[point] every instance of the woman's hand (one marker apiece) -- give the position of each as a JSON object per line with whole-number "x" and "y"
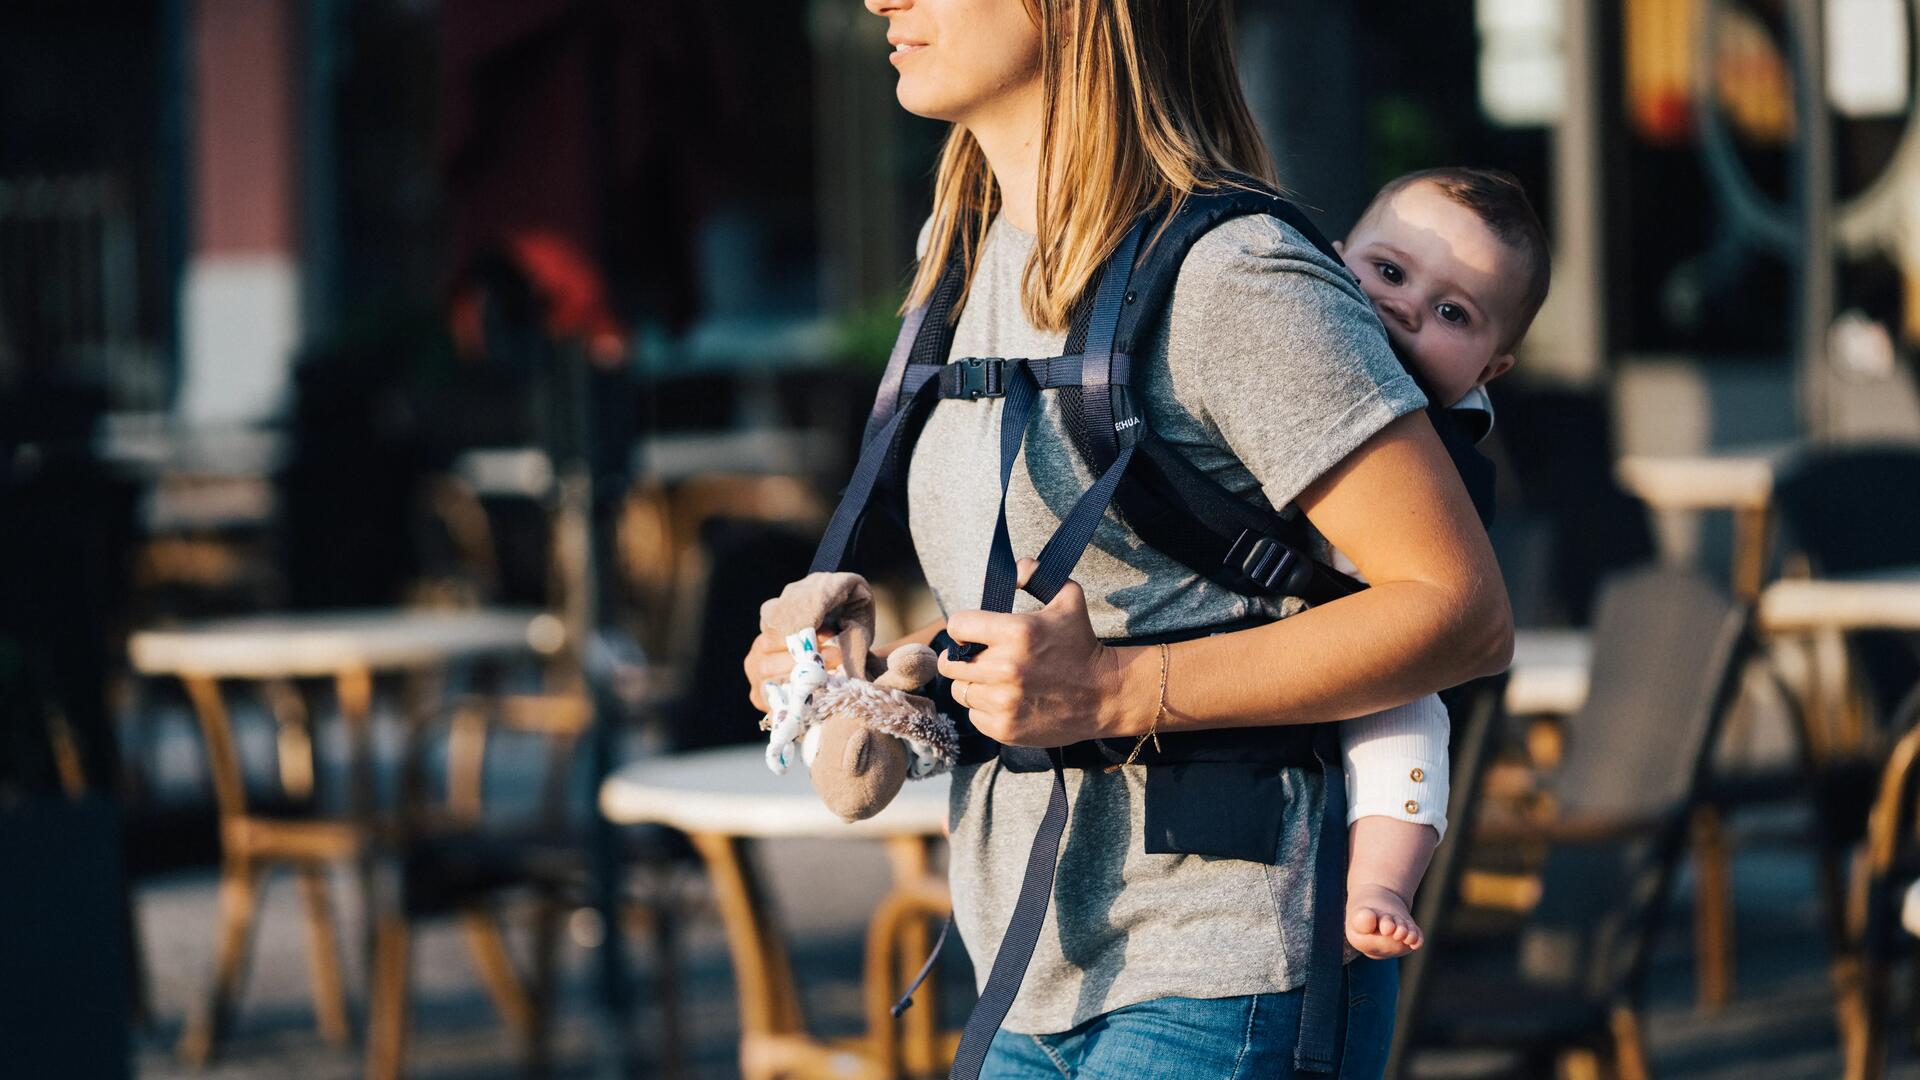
{"x": 769, "y": 661}
{"x": 1044, "y": 679}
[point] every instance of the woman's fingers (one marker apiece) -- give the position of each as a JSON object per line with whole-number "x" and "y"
{"x": 769, "y": 661}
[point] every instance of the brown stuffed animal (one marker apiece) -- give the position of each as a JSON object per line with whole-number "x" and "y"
{"x": 861, "y": 739}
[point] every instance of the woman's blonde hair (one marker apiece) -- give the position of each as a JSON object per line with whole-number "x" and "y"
{"x": 1142, "y": 103}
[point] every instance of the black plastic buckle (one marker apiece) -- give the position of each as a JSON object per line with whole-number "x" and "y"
{"x": 1265, "y": 561}
{"x": 979, "y": 377}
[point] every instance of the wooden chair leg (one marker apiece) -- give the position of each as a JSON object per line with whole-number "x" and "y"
{"x": 1713, "y": 909}
{"x": 1579, "y": 1063}
{"x": 1867, "y": 1052}
{"x": 495, "y": 965}
{"x": 387, "y": 1022}
{"x": 1629, "y": 1044}
{"x": 239, "y": 897}
{"x": 323, "y": 957}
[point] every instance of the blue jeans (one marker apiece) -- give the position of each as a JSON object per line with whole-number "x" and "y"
{"x": 1206, "y": 1038}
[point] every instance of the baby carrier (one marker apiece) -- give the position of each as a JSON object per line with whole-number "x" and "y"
{"x": 1218, "y": 793}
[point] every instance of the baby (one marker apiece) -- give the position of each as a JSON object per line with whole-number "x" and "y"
{"x": 1455, "y": 262}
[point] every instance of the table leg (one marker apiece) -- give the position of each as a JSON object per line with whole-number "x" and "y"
{"x": 769, "y": 1004}
{"x": 911, "y": 857}
{"x": 1751, "y": 526}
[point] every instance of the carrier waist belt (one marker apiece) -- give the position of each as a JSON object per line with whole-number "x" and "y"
{"x": 1290, "y": 745}
{"x": 1216, "y": 793}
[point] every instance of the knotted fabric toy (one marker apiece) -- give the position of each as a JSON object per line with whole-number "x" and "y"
{"x": 861, "y": 738}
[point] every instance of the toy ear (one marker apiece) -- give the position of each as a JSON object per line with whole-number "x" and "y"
{"x": 857, "y": 770}
{"x": 909, "y": 667}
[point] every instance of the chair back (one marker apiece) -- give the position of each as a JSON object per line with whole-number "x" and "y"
{"x": 1852, "y": 509}
{"x": 1855, "y": 509}
{"x": 1668, "y": 647}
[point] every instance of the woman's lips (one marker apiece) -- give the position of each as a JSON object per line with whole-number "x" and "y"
{"x": 905, "y": 48}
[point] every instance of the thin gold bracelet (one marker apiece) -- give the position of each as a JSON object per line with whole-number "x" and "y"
{"x": 1153, "y": 726}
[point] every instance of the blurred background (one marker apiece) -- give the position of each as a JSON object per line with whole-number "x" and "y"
{"x": 405, "y": 406}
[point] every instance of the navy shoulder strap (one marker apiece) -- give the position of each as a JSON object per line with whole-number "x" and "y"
{"x": 1173, "y": 506}
{"x": 1476, "y": 470}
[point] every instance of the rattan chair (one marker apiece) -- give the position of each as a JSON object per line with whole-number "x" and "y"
{"x": 1668, "y": 649}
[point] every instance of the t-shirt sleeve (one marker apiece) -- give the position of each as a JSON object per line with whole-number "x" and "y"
{"x": 1281, "y": 353}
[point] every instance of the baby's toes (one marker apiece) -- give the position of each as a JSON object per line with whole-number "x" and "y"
{"x": 1362, "y": 920}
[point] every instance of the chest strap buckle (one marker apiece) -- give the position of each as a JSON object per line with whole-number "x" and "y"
{"x": 975, "y": 377}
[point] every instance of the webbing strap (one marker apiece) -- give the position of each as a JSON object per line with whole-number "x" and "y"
{"x": 1062, "y": 553}
{"x": 1315, "y": 1050}
{"x": 1057, "y": 560}
{"x": 974, "y": 377}
{"x": 886, "y": 399}
{"x": 853, "y": 502}
{"x": 997, "y": 593}
{"x": 1023, "y": 933}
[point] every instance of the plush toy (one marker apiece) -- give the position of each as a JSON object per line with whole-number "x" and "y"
{"x": 861, "y": 732}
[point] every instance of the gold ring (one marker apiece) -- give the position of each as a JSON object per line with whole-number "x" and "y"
{"x": 962, "y": 697}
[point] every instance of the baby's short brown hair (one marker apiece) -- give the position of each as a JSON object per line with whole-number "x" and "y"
{"x": 1497, "y": 198}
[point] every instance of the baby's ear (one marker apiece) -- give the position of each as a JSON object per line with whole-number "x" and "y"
{"x": 1340, "y": 249}
{"x": 1495, "y": 368}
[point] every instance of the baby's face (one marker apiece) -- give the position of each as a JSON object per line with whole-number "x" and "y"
{"x": 1444, "y": 284}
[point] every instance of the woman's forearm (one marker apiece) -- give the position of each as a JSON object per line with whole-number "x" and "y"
{"x": 1382, "y": 647}
{"x": 922, "y": 636}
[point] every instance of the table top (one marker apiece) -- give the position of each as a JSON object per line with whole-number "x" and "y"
{"x": 1884, "y": 600}
{"x": 1549, "y": 674}
{"x": 1739, "y": 479}
{"x": 730, "y": 791}
{"x": 326, "y": 643}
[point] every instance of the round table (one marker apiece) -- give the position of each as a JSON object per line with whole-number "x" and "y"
{"x": 324, "y": 644}
{"x": 349, "y": 648}
{"x": 1883, "y": 600}
{"x": 725, "y": 799}
{"x": 1740, "y": 481}
{"x": 1549, "y": 674}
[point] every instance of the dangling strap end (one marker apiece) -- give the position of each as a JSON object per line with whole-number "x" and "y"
{"x": 906, "y": 999}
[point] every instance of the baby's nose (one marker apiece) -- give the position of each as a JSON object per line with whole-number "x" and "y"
{"x": 1394, "y": 311}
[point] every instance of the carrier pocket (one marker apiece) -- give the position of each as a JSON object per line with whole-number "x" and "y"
{"x": 1231, "y": 809}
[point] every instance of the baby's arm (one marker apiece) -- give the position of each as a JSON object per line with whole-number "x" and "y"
{"x": 1396, "y": 771}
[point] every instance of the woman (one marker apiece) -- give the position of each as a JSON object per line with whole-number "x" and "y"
{"x": 1070, "y": 118}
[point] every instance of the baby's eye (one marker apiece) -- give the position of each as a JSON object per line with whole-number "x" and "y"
{"x": 1453, "y": 313}
{"x": 1390, "y": 273}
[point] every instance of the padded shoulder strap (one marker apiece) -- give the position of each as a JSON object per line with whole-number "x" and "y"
{"x": 1199, "y": 214}
{"x": 1174, "y": 507}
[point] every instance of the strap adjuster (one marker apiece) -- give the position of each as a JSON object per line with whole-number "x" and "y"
{"x": 1264, "y": 560}
{"x": 979, "y": 377}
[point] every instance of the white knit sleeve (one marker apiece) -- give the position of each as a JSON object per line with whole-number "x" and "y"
{"x": 1396, "y": 764}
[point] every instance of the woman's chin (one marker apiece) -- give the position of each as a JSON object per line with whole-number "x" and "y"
{"x": 919, "y": 101}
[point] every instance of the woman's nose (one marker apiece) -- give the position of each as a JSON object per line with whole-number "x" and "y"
{"x": 888, "y": 7}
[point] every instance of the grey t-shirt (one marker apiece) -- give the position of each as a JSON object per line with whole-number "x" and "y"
{"x": 1270, "y": 368}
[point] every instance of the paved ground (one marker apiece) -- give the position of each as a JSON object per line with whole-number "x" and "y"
{"x": 1780, "y": 1028}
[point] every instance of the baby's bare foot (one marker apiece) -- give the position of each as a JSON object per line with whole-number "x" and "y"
{"x": 1378, "y": 924}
